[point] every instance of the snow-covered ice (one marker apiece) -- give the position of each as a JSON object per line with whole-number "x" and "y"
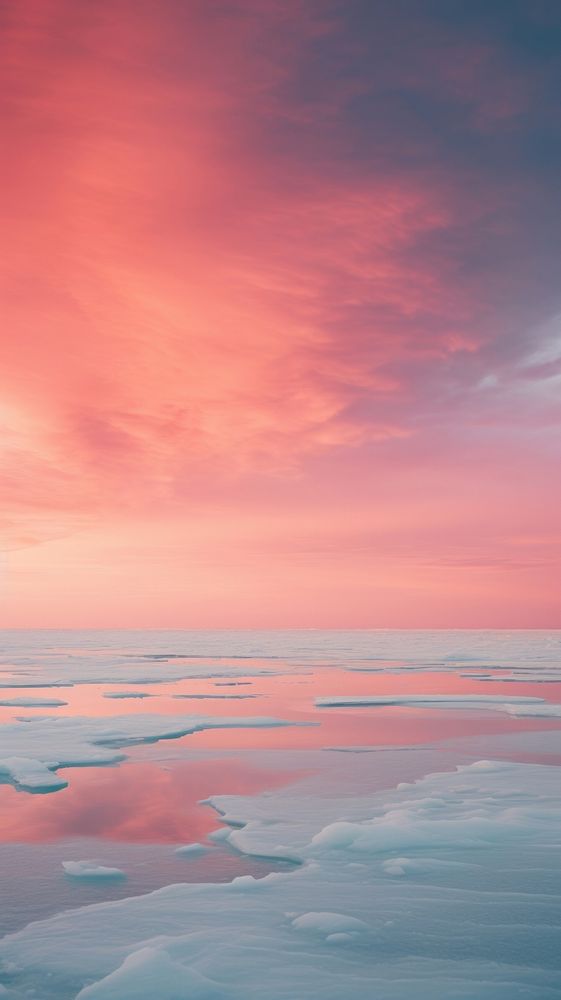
{"x": 91, "y": 870}
{"x": 30, "y": 774}
{"x": 191, "y": 850}
{"x": 327, "y": 924}
{"x": 151, "y": 973}
{"x": 31, "y": 750}
{"x": 144, "y": 657}
{"x": 535, "y": 676}
{"x": 513, "y": 706}
{"x": 226, "y": 684}
{"x": 545, "y": 710}
{"x": 444, "y": 888}
{"x": 31, "y": 702}
{"x": 127, "y": 694}
{"x": 108, "y": 670}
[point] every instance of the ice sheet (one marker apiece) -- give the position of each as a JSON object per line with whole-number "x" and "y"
{"x": 448, "y": 887}
{"x": 59, "y": 658}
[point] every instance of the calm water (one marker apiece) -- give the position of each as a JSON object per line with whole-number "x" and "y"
{"x": 133, "y": 815}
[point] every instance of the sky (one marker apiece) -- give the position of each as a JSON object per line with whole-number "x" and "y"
{"x": 280, "y": 342}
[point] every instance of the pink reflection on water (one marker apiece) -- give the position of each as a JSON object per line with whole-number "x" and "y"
{"x": 133, "y": 802}
{"x": 291, "y": 696}
{"x": 394, "y": 726}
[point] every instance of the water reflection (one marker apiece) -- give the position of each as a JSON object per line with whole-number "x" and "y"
{"x": 134, "y": 802}
{"x": 130, "y": 816}
{"x": 290, "y": 695}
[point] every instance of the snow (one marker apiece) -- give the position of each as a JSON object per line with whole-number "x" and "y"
{"x": 30, "y": 775}
{"x": 547, "y": 710}
{"x": 191, "y": 850}
{"x": 534, "y": 676}
{"x": 329, "y": 923}
{"x": 470, "y": 910}
{"x": 150, "y": 973}
{"x": 82, "y": 671}
{"x": 91, "y": 870}
{"x": 219, "y": 835}
{"x": 419, "y": 866}
{"x": 32, "y": 749}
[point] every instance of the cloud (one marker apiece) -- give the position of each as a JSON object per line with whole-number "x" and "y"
{"x": 259, "y": 252}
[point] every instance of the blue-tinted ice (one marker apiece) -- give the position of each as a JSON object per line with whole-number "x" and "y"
{"x": 433, "y": 873}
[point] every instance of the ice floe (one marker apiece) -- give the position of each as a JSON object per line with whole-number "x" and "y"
{"x": 91, "y": 870}
{"x": 546, "y": 710}
{"x": 32, "y": 702}
{"x": 191, "y": 850}
{"x": 225, "y": 684}
{"x": 80, "y": 670}
{"x": 513, "y": 706}
{"x": 33, "y": 658}
{"x": 516, "y": 677}
{"x": 127, "y": 694}
{"x": 31, "y": 750}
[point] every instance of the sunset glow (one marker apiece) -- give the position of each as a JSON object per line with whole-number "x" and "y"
{"x": 280, "y": 339}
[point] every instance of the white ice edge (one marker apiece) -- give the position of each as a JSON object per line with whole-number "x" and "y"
{"x": 32, "y": 750}
{"x": 519, "y": 705}
{"x": 127, "y": 694}
{"x": 31, "y": 702}
{"x": 91, "y": 871}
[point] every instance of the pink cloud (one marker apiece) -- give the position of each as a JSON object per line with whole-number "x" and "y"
{"x": 196, "y": 318}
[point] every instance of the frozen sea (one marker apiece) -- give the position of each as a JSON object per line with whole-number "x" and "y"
{"x": 236, "y": 815}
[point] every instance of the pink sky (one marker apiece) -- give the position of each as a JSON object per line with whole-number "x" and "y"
{"x": 279, "y": 345}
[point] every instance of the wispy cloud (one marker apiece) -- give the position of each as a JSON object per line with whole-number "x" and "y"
{"x": 256, "y": 253}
